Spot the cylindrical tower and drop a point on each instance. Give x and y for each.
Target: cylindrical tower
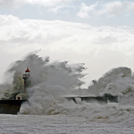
(25, 77)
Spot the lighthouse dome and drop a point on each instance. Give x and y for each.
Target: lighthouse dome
(27, 70)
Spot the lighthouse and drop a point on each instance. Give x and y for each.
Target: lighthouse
(23, 95)
(25, 77)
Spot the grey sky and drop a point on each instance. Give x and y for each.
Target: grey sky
(97, 33)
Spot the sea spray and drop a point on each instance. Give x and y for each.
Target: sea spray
(5, 90)
(48, 83)
(111, 81)
(118, 81)
(110, 113)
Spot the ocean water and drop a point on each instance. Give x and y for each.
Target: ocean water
(58, 124)
(48, 110)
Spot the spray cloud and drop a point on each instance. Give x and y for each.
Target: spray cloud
(48, 82)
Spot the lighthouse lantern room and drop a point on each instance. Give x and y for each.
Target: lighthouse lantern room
(27, 74)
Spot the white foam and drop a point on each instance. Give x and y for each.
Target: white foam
(50, 82)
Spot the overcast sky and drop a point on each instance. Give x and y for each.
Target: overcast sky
(97, 33)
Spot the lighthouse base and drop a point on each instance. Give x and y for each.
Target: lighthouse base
(10, 106)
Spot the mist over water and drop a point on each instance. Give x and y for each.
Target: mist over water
(118, 81)
(50, 82)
